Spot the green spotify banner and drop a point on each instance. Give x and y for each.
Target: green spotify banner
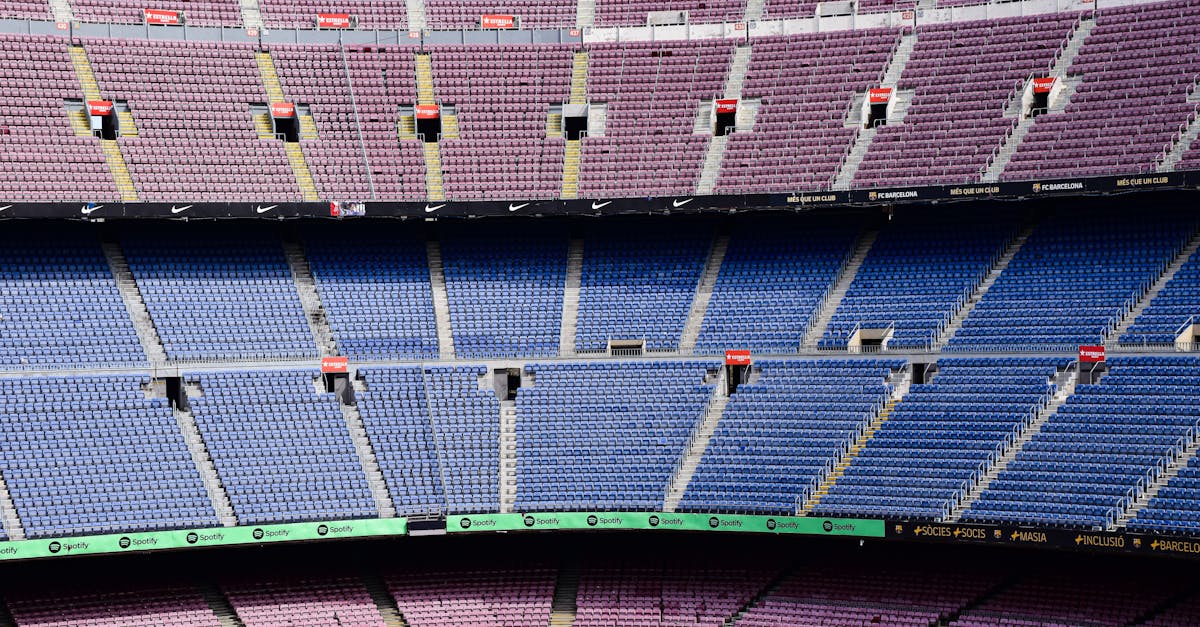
(687, 522)
(188, 538)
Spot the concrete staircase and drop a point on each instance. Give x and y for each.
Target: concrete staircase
(508, 456)
(1169, 273)
(220, 606)
(754, 10)
(415, 10)
(699, 443)
(1062, 62)
(1065, 390)
(126, 124)
(406, 127)
(204, 464)
(585, 13)
(1172, 470)
(251, 14)
(308, 126)
(384, 602)
(1184, 140)
(839, 289)
(119, 169)
(704, 291)
(8, 514)
(310, 299)
(717, 144)
(270, 76)
(134, 304)
(441, 301)
(572, 153)
(570, 316)
(62, 11)
(1002, 262)
(566, 592)
(900, 387)
(854, 158)
(449, 124)
(554, 125)
(262, 125)
(435, 187)
(79, 122)
(370, 463)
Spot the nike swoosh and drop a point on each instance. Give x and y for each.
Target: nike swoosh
(262, 209)
(429, 209)
(680, 203)
(175, 209)
(5, 207)
(86, 211)
(598, 205)
(512, 207)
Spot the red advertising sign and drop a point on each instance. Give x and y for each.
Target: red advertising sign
(427, 112)
(880, 95)
(574, 32)
(728, 105)
(1043, 85)
(283, 110)
(497, 21)
(1091, 354)
(333, 20)
(335, 364)
(159, 16)
(100, 107)
(737, 358)
(62, 25)
(907, 15)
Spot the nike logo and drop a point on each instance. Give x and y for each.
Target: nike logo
(5, 207)
(175, 209)
(680, 203)
(85, 210)
(598, 205)
(512, 207)
(429, 209)
(262, 209)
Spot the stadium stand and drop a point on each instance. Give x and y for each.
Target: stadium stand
(93, 454)
(1172, 308)
(641, 594)
(327, 601)
(467, 432)
(224, 297)
(963, 75)
(1078, 596)
(942, 437)
(60, 305)
(778, 434)
(853, 594)
(383, 77)
(800, 136)
(517, 597)
(390, 15)
(1100, 450)
(194, 13)
(502, 97)
(638, 282)
(25, 9)
(281, 448)
(505, 290)
(1074, 279)
(774, 278)
(1136, 70)
(196, 138)
(395, 412)
(111, 606)
(374, 285)
(653, 92)
(337, 159)
(42, 157)
(636, 13)
(605, 436)
(528, 13)
(919, 273)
